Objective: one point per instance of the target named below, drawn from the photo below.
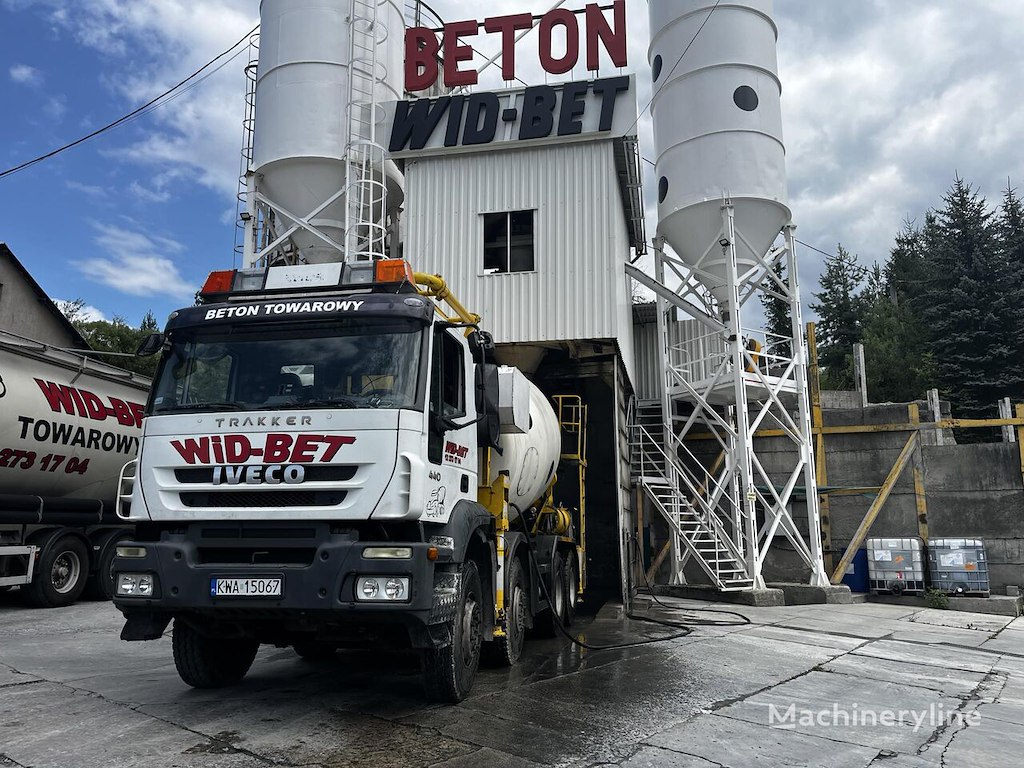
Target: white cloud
(89, 190)
(55, 106)
(136, 263)
(87, 312)
(23, 74)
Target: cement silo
(717, 130)
(321, 78)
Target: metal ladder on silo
(366, 192)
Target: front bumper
(318, 567)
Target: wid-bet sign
(424, 50)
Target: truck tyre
(100, 585)
(554, 615)
(315, 650)
(572, 582)
(449, 672)
(505, 651)
(206, 662)
(60, 573)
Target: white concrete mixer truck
(330, 458)
(67, 426)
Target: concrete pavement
(820, 685)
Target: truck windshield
(349, 363)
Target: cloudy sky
(884, 101)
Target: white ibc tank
(302, 124)
(717, 129)
(531, 458)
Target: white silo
(303, 102)
(717, 130)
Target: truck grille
(313, 474)
(236, 499)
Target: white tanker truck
(67, 426)
(342, 464)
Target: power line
(164, 98)
(818, 250)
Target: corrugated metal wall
(694, 348)
(579, 289)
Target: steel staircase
(695, 525)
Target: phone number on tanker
(15, 458)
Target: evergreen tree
(899, 366)
(777, 318)
(113, 336)
(840, 308)
(1010, 236)
(963, 305)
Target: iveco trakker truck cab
(330, 459)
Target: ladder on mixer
(695, 526)
(366, 197)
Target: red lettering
(305, 448)
(278, 448)
(137, 410)
(93, 405)
(508, 25)
(334, 443)
(122, 412)
(454, 53)
(567, 19)
(192, 450)
(58, 396)
(421, 49)
(613, 39)
(237, 449)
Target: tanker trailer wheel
(505, 651)
(210, 662)
(549, 619)
(449, 672)
(60, 573)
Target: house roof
(76, 339)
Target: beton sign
(474, 121)
(424, 48)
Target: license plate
(254, 587)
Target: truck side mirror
(150, 345)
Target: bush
(936, 598)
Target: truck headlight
(382, 588)
(136, 584)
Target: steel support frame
(739, 485)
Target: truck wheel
(207, 662)
(60, 573)
(549, 619)
(572, 582)
(448, 672)
(505, 651)
(315, 650)
(100, 585)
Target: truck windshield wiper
(195, 407)
(341, 402)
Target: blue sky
(884, 101)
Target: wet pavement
(841, 685)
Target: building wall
(579, 289)
(23, 313)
